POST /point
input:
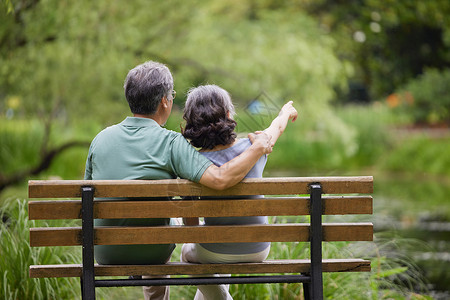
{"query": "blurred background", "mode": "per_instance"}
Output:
(370, 79)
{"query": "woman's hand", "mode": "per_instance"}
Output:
(289, 109)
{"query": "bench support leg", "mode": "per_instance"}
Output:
(87, 211)
(316, 289)
(307, 291)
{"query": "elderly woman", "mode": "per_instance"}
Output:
(210, 126)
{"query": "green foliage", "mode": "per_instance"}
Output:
(67, 61)
(394, 274)
(357, 140)
(424, 196)
(388, 42)
(70, 59)
(317, 149)
(17, 256)
(370, 124)
(281, 53)
(53, 62)
(426, 98)
(20, 142)
(317, 141)
(419, 155)
(8, 5)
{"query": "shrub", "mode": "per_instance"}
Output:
(427, 97)
(419, 155)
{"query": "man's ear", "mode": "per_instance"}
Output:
(165, 102)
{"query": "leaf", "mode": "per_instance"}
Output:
(387, 273)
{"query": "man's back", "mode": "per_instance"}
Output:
(139, 148)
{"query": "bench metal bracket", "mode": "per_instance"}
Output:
(314, 290)
(87, 218)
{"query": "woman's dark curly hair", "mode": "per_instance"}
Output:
(208, 111)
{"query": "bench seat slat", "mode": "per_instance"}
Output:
(182, 187)
(71, 236)
(282, 206)
(179, 268)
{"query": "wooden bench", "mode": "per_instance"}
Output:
(342, 198)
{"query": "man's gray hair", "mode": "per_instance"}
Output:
(209, 92)
(146, 85)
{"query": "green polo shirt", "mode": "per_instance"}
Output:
(138, 148)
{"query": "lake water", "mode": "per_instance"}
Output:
(416, 211)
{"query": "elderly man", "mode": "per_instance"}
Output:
(139, 148)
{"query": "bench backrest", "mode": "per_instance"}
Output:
(335, 203)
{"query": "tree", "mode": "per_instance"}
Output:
(67, 60)
(71, 56)
(390, 42)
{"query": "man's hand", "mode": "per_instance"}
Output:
(230, 173)
(261, 140)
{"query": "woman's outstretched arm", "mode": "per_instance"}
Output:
(278, 125)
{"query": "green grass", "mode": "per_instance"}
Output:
(17, 256)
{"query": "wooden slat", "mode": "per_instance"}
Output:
(54, 210)
(71, 236)
(55, 236)
(181, 187)
(344, 205)
(71, 209)
(178, 268)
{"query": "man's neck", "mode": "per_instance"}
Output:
(154, 117)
